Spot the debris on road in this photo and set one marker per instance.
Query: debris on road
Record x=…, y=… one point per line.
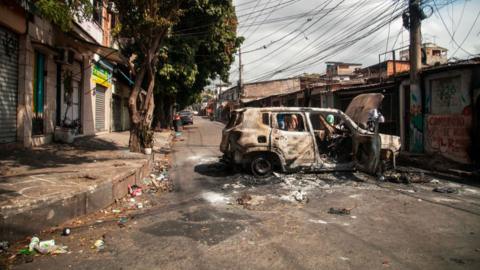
x=318, y=221
x=435, y=181
x=247, y=200
x=99, y=245
x=445, y=190
x=134, y=190
x=66, y=231
x=44, y=247
x=244, y=199
x=403, y=177
x=3, y=246
x=339, y=211
x=300, y=196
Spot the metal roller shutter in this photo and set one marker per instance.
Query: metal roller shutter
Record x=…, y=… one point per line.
x=100, y=108
x=8, y=86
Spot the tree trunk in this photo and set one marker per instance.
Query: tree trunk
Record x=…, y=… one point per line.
x=141, y=117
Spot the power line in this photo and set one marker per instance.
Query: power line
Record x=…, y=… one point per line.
x=341, y=44
x=448, y=31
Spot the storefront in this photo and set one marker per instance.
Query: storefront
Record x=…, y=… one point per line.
x=102, y=78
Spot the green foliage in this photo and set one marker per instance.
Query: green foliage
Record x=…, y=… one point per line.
x=141, y=21
x=62, y=12
x=200, y=48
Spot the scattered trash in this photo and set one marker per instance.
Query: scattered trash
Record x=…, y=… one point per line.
x=300, y=196
x=116, y=211
x=139, y=205
x=123, y=219
x=3, y=246
x=99, y=245
x=25, y=251
x=147, y=181
x=339, y=211
x=403, y=177
x=435, y=181
x=318, y=221
x=445, y=190
x=43, y=247
x=134, y=190
x=66, y=231
x=244, y=199
x=33, y=243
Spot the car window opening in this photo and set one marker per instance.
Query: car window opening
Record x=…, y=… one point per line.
x=334, y=141
x=290, y=122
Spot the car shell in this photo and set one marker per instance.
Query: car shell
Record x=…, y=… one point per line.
x=253, y=131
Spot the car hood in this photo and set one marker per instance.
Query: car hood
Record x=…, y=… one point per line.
x=360, y=106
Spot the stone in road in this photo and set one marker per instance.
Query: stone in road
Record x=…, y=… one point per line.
x=201, y=226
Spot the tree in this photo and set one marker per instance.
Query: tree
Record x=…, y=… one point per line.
x=201, y=47
x=62, y=12
x=144, y=25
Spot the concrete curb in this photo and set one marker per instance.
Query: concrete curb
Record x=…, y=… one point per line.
x=19, y=223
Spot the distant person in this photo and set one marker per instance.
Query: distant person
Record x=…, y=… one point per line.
x=374, y=116
x=293, y=123
x=330, y=119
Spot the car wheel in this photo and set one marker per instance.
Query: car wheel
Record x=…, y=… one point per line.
x=261, y=166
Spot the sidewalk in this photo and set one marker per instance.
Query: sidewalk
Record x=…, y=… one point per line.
x=45, y=186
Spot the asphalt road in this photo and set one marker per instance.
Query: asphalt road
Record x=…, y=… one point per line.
x=201, y=226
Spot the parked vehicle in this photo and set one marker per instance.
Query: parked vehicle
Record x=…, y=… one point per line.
x=290, y=139
x=187, y=117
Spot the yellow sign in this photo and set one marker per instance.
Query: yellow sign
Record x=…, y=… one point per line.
x=101, y=76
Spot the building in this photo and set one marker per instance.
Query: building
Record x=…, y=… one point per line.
x=384, y=70
x=50, y=79
x=340, y=71
x=432, y=55
x=443, y=118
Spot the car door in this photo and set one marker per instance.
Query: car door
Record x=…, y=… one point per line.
x=292, y=139
x=366, y=151
x=366, y=145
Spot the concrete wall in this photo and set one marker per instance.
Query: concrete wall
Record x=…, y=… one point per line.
x=88, y=102
x=448, y=119
x=265, y=89
x=39, y=38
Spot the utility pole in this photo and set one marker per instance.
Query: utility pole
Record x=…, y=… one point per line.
x=415, y=44
x=240, y=72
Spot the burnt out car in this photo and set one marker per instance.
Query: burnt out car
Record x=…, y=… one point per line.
x=310, y=139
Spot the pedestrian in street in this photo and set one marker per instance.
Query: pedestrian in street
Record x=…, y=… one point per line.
x=177, y=122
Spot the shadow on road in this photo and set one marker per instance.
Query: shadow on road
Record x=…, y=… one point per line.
x=215, y=169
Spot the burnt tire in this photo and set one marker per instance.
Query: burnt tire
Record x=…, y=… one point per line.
x=261, y=166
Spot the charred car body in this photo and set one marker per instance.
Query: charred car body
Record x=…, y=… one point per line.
x=310, y=139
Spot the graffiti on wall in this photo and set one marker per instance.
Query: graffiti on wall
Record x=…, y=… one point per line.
x=448, y=97
x=449, y=135
x=416, y=122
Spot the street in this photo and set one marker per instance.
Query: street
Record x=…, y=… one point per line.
x=218, y=219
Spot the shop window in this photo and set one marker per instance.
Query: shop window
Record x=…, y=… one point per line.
x=38, y=94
